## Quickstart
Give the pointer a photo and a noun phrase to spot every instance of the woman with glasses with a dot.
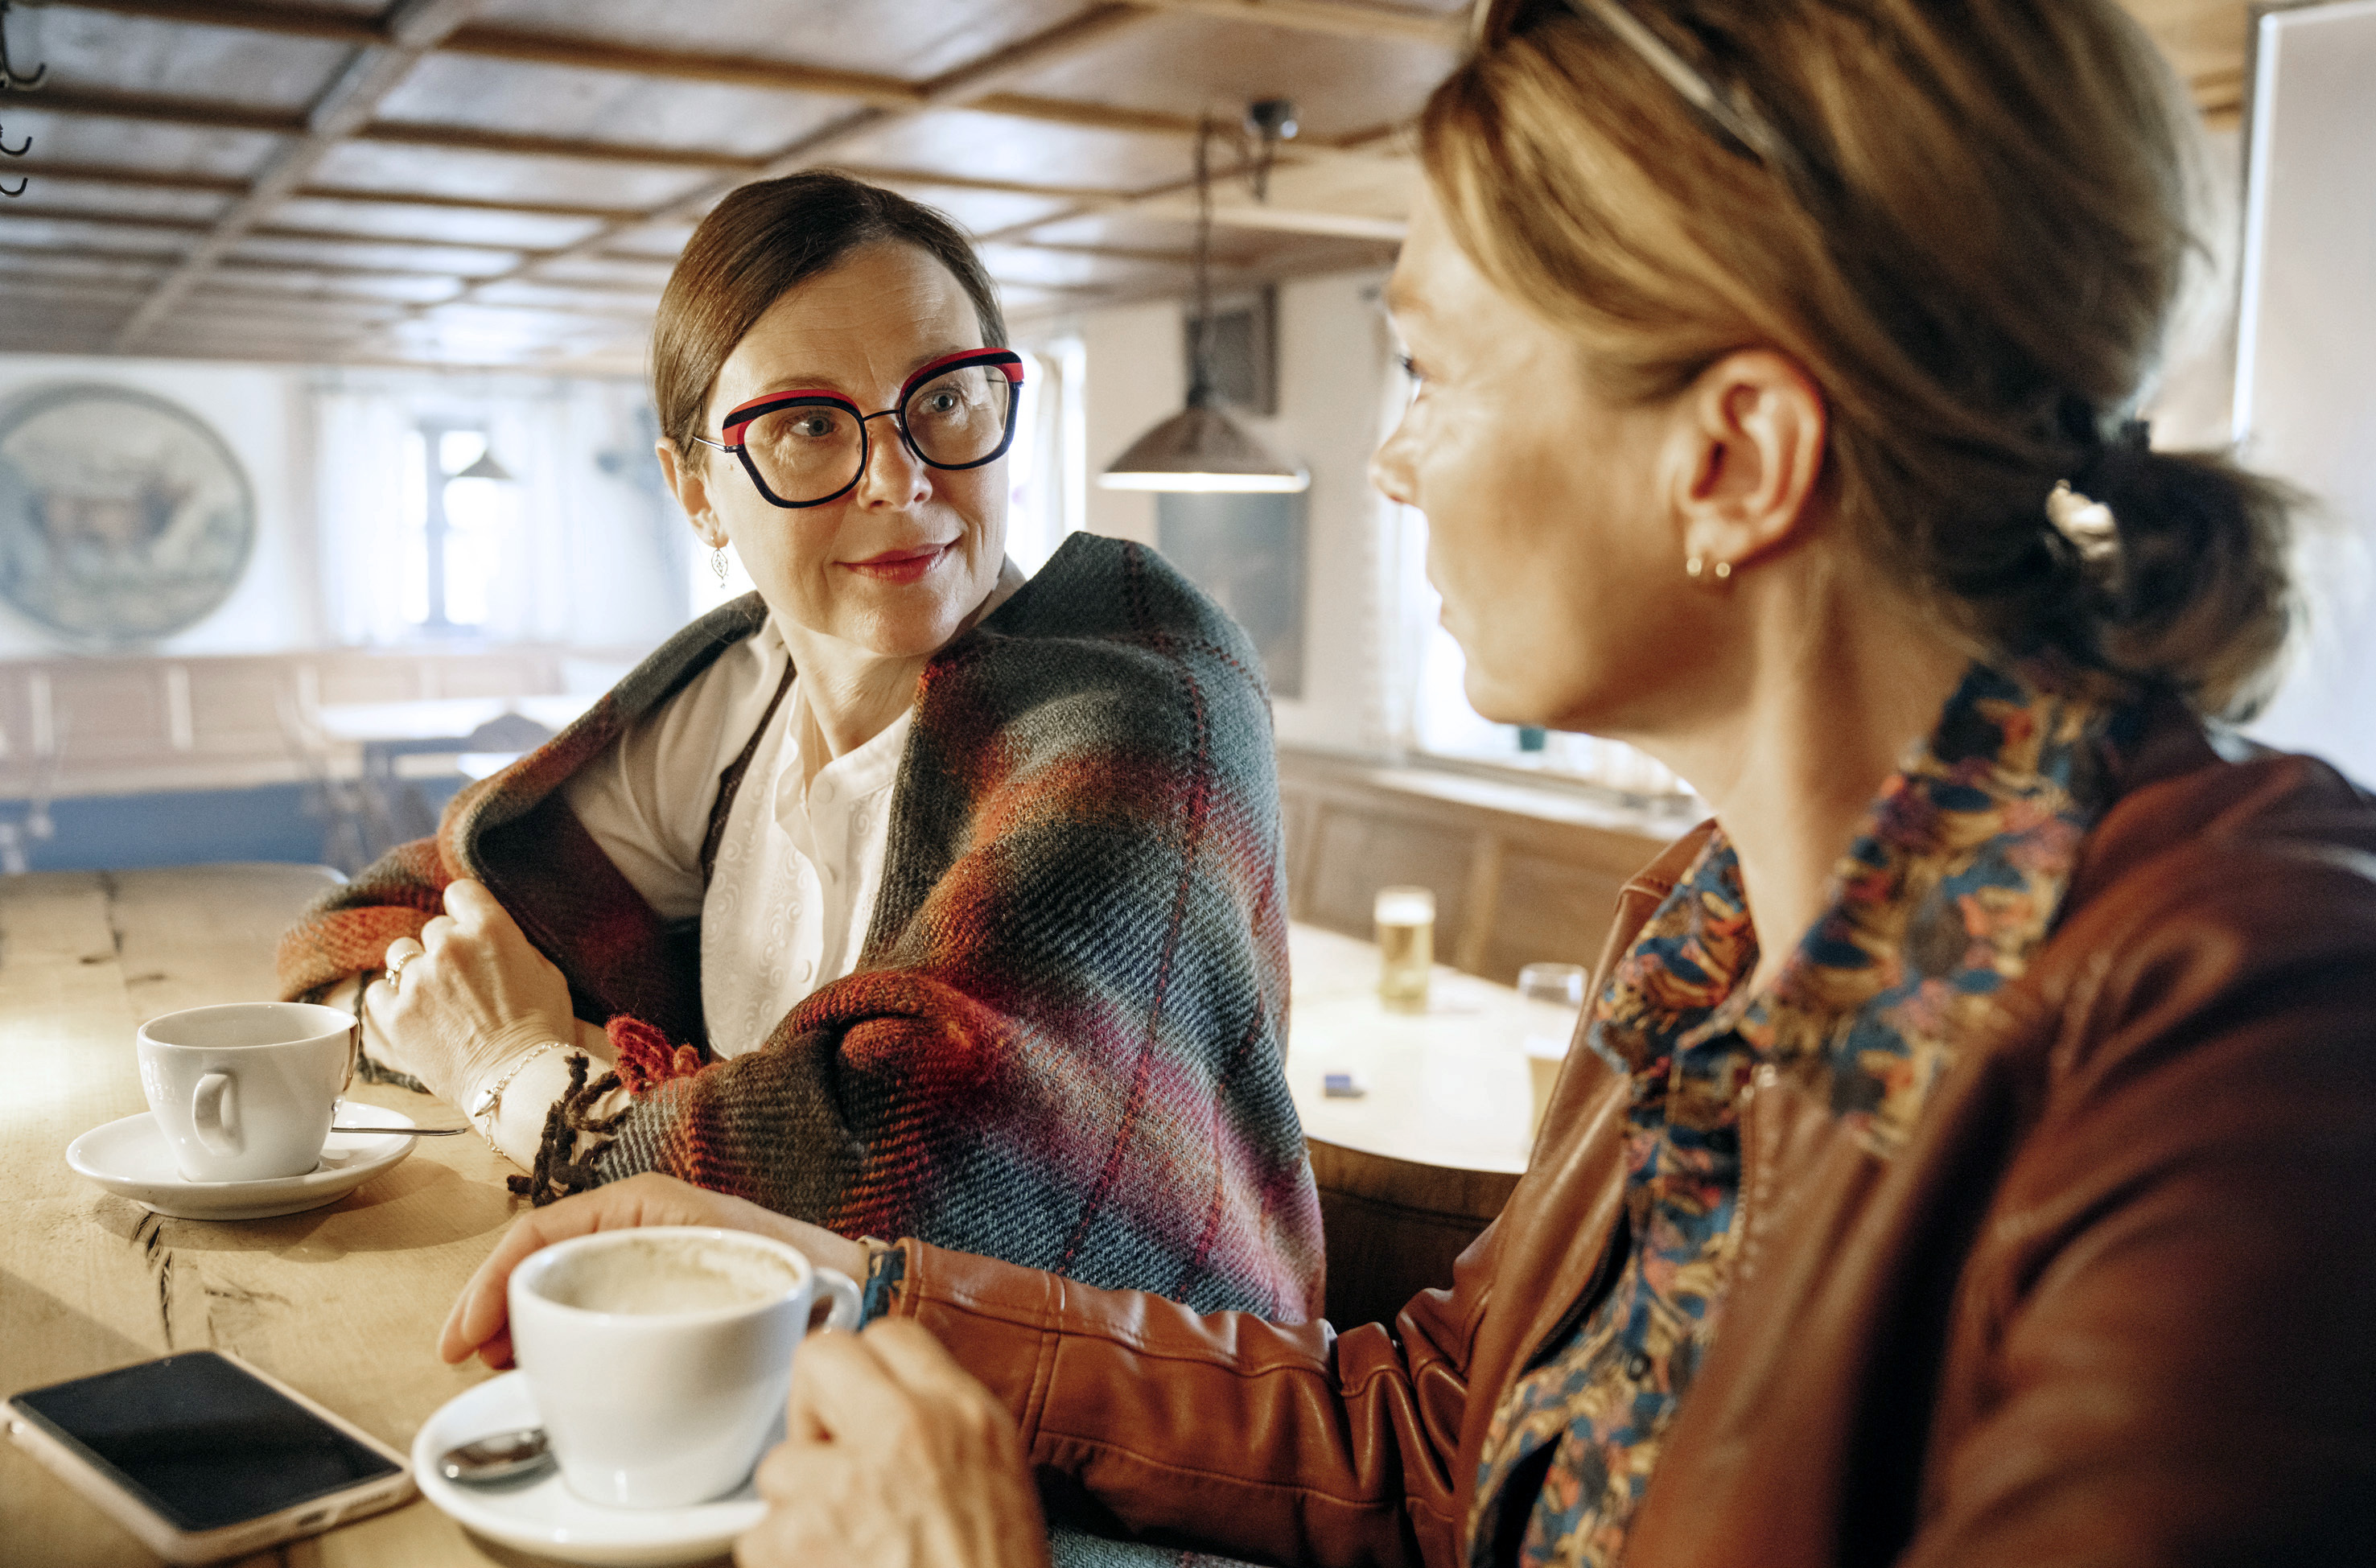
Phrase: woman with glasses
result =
(902, 895)
(1969, 1154)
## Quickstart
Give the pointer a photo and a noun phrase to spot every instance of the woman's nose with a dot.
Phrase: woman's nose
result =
(893, 475)
(1390, 467)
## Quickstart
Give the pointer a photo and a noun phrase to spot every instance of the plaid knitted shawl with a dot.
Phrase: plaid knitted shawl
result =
(1063, 1043)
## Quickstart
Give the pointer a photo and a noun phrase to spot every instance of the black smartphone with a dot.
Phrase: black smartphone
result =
(203, 1458)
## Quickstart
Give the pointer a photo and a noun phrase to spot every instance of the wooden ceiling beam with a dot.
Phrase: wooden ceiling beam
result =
(472, 204)
(102, 218)
(88, 253)
(159, 108)
(1340, 18)
(412, 29)
(531, 48)
(125, 174)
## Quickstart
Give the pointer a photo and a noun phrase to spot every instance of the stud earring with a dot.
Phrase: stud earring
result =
(1696, 568)
(717, 563)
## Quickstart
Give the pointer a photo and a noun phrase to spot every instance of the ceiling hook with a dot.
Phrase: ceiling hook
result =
(4, 191)
(19, 151)
(8, 76)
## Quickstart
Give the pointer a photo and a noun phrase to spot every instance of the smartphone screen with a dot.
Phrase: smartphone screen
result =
(201, 1441)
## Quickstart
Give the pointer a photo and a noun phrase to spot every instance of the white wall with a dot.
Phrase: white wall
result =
(601, 555)
(1334, 357)
(2306, 386)
(262, 414)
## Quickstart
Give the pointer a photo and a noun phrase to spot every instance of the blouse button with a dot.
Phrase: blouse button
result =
(1637, 1366)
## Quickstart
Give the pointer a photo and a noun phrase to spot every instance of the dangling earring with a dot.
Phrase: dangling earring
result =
(717, 563)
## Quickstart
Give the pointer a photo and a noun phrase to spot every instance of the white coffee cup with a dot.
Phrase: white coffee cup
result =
(244, 1091)
(660, 1357)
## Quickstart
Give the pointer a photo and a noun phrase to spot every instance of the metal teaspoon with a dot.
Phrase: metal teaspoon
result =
(504, 1456)
(405, 1132)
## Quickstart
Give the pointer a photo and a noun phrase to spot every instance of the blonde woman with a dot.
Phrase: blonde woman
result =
(1968, 1157)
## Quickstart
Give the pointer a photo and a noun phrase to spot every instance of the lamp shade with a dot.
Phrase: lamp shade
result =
(1201, 449)
(487, 468)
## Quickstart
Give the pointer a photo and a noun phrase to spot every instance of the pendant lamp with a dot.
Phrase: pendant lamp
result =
(487, 468)
(1201, 449)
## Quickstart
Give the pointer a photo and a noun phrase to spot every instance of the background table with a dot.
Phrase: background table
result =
(1412, 1171)
(342, 1302)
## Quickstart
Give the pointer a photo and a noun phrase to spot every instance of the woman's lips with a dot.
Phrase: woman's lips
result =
(901, 565)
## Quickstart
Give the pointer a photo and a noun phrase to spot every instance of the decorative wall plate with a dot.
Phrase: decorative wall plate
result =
(124, 519)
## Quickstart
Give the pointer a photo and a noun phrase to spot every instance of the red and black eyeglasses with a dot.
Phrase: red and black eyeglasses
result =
(806, 449)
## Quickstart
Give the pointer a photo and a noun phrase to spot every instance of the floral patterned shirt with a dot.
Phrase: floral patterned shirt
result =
(1953, 879)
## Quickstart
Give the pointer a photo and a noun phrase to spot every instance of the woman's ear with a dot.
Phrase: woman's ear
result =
(1754, 429)
(692, 490)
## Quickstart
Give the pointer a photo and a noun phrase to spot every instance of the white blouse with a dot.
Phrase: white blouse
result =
(797, 872)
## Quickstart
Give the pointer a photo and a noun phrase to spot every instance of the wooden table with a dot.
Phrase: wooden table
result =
(342, 1302)
(1410, 1171)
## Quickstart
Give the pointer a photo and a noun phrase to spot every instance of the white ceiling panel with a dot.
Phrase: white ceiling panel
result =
(137, 55)
(453, 225)
(380, 166)
(605, 106)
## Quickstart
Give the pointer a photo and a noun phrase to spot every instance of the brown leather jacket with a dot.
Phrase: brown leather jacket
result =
(2113, 1303)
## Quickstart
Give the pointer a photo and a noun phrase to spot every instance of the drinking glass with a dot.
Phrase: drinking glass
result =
(1553, 995)
(1406, 924)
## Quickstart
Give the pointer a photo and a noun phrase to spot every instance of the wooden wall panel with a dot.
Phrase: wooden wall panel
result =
(110, 711)
(236, 704)
(1550, 911)
(1361, 847)
(1520, 874)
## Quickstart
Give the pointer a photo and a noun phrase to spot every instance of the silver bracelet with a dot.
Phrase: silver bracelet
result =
(491, 1098)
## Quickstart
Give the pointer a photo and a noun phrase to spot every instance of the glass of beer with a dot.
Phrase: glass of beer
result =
(1406, 917)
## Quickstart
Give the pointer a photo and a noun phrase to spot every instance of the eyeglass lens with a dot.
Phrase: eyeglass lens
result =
(814, 451)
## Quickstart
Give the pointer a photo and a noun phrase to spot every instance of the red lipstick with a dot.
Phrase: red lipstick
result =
(901, 565)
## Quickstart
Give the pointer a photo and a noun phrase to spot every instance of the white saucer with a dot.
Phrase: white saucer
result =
(131, 1159)
(544, 1516)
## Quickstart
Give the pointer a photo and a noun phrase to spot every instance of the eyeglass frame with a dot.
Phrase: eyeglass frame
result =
(743, 415)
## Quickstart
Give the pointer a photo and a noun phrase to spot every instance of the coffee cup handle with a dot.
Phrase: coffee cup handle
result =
(214, 1113)
(843, 1293)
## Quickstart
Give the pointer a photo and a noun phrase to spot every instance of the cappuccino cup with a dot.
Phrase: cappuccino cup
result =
(244, 1092)
(661, 1357)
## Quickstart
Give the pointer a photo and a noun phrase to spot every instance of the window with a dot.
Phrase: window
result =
(459, 504)
(1047, 481)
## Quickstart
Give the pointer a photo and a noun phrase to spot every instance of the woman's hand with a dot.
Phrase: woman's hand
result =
(895, 1456)
(479, 995)
(479, 1320)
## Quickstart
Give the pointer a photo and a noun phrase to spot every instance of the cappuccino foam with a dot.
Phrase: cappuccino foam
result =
(655, 1276)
